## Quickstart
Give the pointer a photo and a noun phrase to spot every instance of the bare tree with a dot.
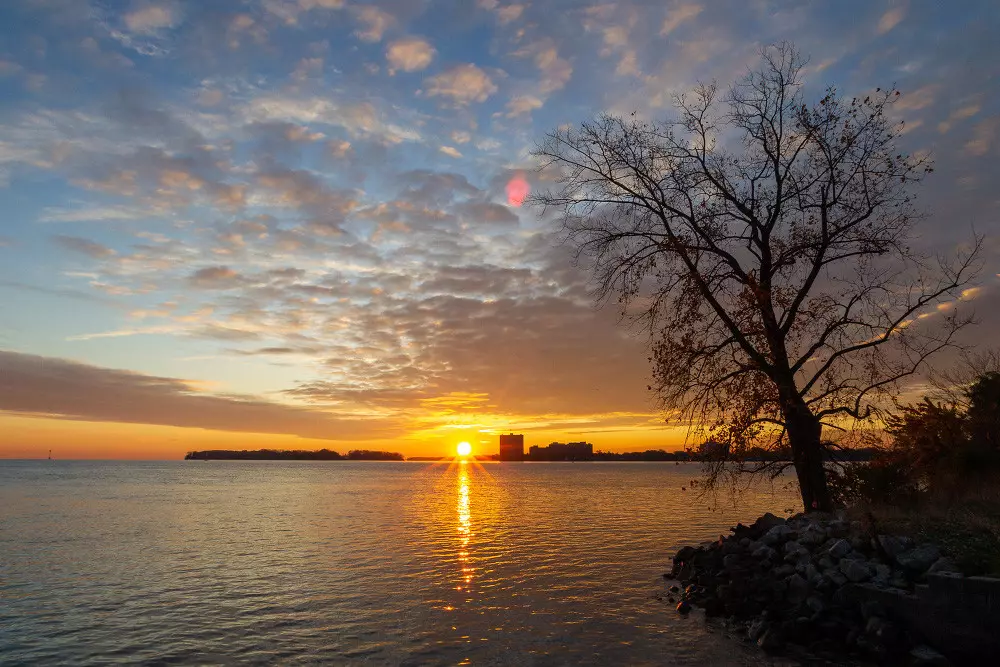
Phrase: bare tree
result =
(763, 242)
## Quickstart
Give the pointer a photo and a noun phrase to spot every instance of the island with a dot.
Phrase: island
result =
(292, 455)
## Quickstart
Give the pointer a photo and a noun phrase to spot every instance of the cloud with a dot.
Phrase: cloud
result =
(215, 277)
(339, 148)
(983, 137)
(289, 10)
(891, 19)
(359, 119)
(85, 247)
(961, 113)
(461, 137)
(479, 214)
(409, 54)
(374, 23)
(556, 71)
(522, 104)
(152, 18)
(463, 84)
(679, 15)
(509, 13)
(49, 387)
(450, 152)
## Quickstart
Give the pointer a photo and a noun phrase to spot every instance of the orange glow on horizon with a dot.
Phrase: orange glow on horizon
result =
(31, 437)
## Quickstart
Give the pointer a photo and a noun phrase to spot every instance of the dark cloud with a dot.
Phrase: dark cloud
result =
(83, 246)
(215, 277)
(58, 388)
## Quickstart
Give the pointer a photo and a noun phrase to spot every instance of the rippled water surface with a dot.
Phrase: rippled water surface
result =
(353, 563)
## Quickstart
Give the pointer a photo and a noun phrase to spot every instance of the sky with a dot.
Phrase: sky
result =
(297, 223)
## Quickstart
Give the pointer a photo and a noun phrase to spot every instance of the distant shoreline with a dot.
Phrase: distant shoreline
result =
(291, 455)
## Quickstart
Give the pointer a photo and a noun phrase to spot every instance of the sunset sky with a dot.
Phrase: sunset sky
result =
(295, 223)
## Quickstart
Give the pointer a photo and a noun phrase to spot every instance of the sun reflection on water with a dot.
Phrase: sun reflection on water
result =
(464, 526)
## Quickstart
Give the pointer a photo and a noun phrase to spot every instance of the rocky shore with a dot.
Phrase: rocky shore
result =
(801, 587)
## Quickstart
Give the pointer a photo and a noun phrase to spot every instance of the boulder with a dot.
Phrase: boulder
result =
(685, 555)
(893, 545)
(767, 522)
(792, 546)
(944, 564)
(757, 628)
(798, 589)
(855, 570)
(919, 559)
(764, 552)
(882, 574)
(840, 549)
(731, 561)
(777, 534)
(812, 535)
(925, 656)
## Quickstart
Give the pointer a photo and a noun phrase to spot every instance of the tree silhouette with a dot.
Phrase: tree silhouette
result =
(763, 242)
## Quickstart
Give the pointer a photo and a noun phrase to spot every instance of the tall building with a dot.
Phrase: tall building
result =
(512, 447)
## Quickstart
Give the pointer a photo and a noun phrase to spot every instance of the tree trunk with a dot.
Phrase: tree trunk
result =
(804, 431)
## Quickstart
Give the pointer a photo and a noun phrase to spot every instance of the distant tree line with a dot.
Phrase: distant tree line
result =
(292, 455)
(706, 453)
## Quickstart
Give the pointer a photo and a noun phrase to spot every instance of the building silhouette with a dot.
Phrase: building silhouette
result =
(559, 451)
(512, 447)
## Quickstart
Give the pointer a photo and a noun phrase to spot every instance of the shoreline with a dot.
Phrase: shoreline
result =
(822, 586)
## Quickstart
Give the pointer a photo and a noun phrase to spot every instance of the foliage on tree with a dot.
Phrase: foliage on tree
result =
(937, 449)
(762, 239)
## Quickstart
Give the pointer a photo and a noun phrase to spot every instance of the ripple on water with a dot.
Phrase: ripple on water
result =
(353, 562)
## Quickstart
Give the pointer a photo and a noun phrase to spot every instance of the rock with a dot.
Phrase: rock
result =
(745, 542)
(925, 656)
(767, 522)
(764, 552)
(839, 528)
(882, 574)
(757, 629)
(840, 549)
(731, 561)
(798, 589)
(836, 578)
(815, 604)
(855, 570)
(894, 545)
(783, 571)
(813, 535)
(685, 555)
(674, 589)
(684, 607)
(919, 559)
(944, 564)
(792, 546)
(779, 533)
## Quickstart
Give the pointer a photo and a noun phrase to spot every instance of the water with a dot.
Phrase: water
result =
(353, 563)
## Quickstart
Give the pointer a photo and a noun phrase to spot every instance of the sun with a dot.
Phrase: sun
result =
(463, 449)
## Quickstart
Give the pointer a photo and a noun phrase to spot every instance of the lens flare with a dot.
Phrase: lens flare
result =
(517, 190)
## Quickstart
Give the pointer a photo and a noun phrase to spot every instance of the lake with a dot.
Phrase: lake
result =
(355, 562)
